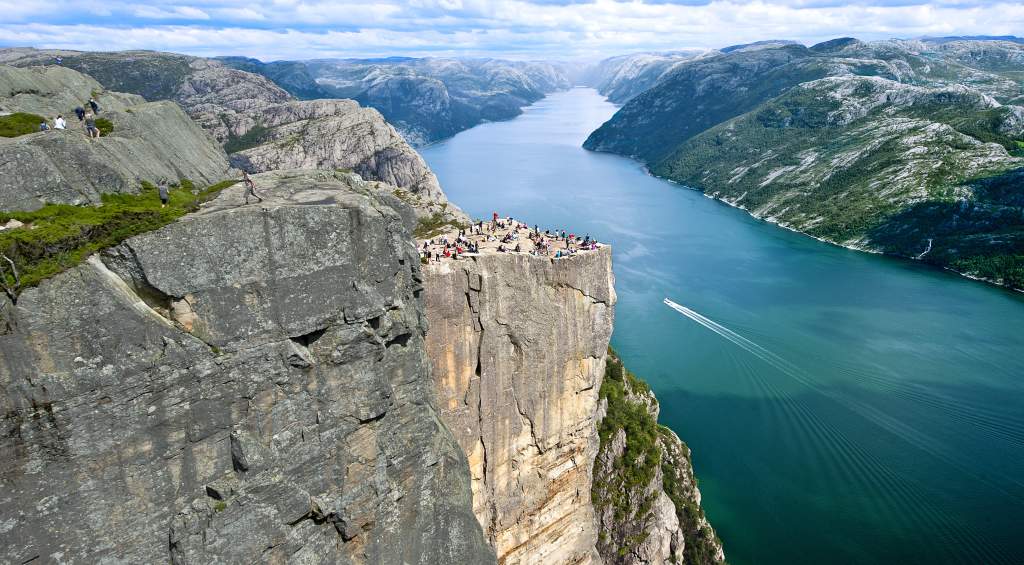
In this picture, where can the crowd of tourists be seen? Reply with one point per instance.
(87, 118)
(505, 235)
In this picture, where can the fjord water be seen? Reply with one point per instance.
(841, 407)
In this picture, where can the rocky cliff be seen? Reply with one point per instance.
(149, 141)
(247, 384)
(518, 346)
(645, 492)
(339, 134)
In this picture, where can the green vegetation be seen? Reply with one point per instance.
(105, 126)
(624, 487)
(252, 138)
(982, 236)
(60, 236)
(435, 224)
(19, 123)
(220, 506)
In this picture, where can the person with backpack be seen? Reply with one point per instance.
(94, 105)
(80, 112)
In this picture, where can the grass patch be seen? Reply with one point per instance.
(19, 123)
(60, 236)
(105, 126)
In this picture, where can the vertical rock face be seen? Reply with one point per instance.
(518, 346)
(246, 385)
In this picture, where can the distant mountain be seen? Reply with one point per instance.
(914, 148)
(765, 44)
(947, 39)
(623, 77)
(293, 76)
(426, 99)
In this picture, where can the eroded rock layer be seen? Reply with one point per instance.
(518, 346)
(247, 385)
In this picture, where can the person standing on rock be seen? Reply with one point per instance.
(94, 105)
(90, 126)
(80, 112)
(250, 188)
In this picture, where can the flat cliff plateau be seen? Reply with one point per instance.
(518, 346)
(249, 384)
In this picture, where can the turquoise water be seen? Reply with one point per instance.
(841, 407)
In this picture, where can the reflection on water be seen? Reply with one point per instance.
(841, 407)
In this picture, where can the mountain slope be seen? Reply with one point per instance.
(244, 111)
(903, 147)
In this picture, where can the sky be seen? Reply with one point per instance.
(518, 29)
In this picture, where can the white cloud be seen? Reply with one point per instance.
(276, 29)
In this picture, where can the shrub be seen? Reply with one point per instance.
(105, 126)
(19, 123)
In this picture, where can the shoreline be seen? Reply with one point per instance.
(851, 247)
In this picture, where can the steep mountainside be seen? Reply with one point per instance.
(431, 99)
(887, 146)
(149, 141)
(249, 384)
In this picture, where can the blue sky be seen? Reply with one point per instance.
(521, 29)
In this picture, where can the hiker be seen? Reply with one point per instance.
(94, 105)
(58, 60)
(164, 193)
(250, 188)
(59, 123)
(43, 126)
(90, 126)
(80, 112)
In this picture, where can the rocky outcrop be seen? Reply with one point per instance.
(149, 141)
(248, 384)
(518, 347)
(339, 134)
(645, 493)
(48, 91)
